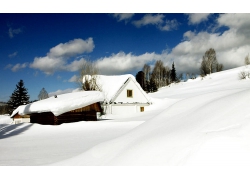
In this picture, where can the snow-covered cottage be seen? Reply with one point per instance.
(70, 107)
(123, 94)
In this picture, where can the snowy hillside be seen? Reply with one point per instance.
(199, 122)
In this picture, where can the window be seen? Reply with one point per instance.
(142, 109)
(129, 93)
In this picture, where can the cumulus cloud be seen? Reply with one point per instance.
(12, 55)
(121, 62)
(169, 25)
(196, 18)
(158, 21)
(231, 46)
(13, 32)
(17, 67)
(123, 16)
(58, 56)
(149, 19)
(72, 48)
(73, 78)
(237, 20)
(9, 66)
(188, 35)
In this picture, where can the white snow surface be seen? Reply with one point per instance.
(199, 122)
(63, 103)
(5, 120)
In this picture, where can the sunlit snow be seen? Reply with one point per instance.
(199, 122)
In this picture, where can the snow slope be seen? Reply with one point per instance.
(199, 122)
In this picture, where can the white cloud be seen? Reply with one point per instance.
(12, 55)
(48, 65)
(19, 66)
(123, 16)
(72, 48)
(169, 25)
(75, 65)
(58, 92)
(149, 19)
(57, 58)
(237, 20)
(188, 35)
(158, 21)
(196, 18)
(121, 63)
(73, 78)
(13, 32)
(231, 46)
(9, 66)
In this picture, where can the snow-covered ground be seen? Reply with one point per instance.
(199, 122)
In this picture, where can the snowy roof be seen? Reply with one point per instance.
(110, 85)
(63, 103)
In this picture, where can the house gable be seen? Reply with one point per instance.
(130, 92)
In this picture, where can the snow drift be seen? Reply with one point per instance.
(198, 122)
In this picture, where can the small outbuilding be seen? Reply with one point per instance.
(65, 108)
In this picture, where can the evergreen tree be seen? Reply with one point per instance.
(19, 97)
(152, 86)
(140, 78)
(173, 76)
(43, 94)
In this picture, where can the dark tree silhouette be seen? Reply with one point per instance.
(19, 97)
(173, 76)
(140, 78)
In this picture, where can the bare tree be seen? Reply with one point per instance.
(209, 63)
(158, 73)
(244, 75)
(210, 59)
(88, 77)
(204, 69)
(247, 60)
(219, 67)
(43, 94)
(146, 69)
(166, 76)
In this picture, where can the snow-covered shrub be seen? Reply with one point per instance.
(244, 75)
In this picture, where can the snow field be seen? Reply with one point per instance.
(201, 122)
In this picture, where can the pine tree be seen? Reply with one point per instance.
(43, 94)
(152, 86)
(173, 74)
(19, 97)
(140, 78)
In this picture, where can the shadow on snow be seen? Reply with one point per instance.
(13, 130)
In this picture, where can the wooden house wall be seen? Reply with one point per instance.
(17, 116)
(87, 113)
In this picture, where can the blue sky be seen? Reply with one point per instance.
(46, 50)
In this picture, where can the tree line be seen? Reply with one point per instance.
(160, 75)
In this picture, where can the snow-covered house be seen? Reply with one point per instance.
(70, 107)
(123, 94)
